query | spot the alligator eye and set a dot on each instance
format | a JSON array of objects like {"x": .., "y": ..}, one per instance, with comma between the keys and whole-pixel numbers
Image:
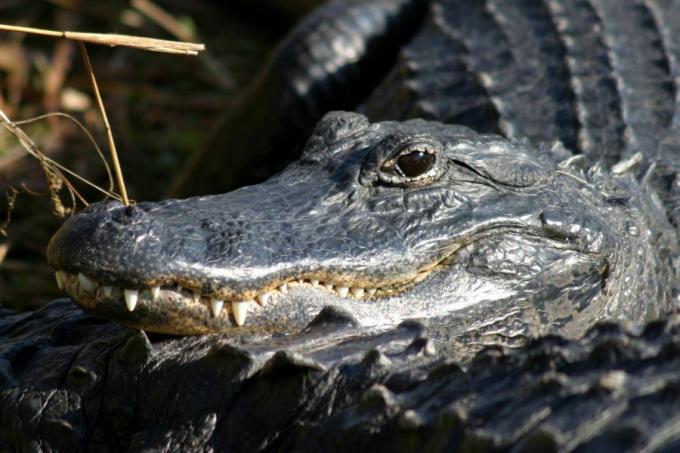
[{"x": 415, "y": 163}]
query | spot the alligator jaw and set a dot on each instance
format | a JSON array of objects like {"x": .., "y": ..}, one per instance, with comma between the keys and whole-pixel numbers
[
  {"x": 91, "y": 294},
  {"x": 176, "y": 309}
]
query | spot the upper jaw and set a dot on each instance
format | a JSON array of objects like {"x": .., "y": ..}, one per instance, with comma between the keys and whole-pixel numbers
[
  {"x": 236, "y": 245},
  {"x": 176, "y": 310}
]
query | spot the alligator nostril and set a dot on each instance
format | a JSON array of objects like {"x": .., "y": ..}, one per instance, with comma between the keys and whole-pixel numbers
[{"x": 129, "y": 214}]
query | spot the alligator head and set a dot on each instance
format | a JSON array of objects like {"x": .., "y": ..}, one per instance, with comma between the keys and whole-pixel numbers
[{"x": 387, "y": 221}]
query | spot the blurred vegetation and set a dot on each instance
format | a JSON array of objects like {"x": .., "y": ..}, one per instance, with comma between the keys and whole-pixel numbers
[{"x": 161, "y": 107}]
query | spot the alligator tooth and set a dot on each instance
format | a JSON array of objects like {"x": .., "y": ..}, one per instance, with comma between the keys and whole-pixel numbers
[
  {"x": 240, "y": 311},
  {"x": 314, "y": 282},
  {"x": 283, "y": 288},
  {"x": 106, "y": 291},
  {"x": 301, "y": 280},
  {"x": 131, "y": 296},
  {"x": 372, "y": 291},
  {"x": 179, "y": 288},
  {"x": 263, "y": 299},
  {"x": 342, "y": 291},
  {"x": 196, "y": 296},
  {"x": 216, "y": 306},
  {"x": 85, "y": 283},
  {"x": 61, "y": 279},
  {"x": 328, "y": 285},
  {"x": 155, "y": 292},
  {"x": 358, "y": 292}
]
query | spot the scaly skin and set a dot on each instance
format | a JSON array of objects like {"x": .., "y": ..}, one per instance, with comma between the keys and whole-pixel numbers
[
  {"x": 70, "y": 382},
  {"x": 598, "y": 75},
  {"x": 493, "y": 236},
  {"x": 567, "y": 248}
]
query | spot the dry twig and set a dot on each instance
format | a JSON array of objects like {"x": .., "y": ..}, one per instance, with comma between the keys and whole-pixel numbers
[
  {"x": 157, "y": 45},
  {"x": 87, "y": 133},
  {"x": 109, "y": 39},
  {"x": 54, "y": 171},
  {"x": 107, "y": 126}
]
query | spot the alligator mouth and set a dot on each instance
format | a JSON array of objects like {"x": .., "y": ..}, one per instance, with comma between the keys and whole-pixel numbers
[
  {"x": 179, "y": 307},
  {"x": 192, "y": 312}
]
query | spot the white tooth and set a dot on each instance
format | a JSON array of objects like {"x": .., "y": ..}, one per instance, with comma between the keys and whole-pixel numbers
[
  {"x": 301, "y": 280},
  {"x": 179, "y": 288},
  {"x": 327, "y": 286},
  {"x": 131, "y": 296},
  {"x": 342, "y": 291},
  {"x": 106, "y": 290},
  {"x": 240, "y": 311},
  {"x": 155, "y": 292},
  {"x": 372, "y": 291},
  {"x": 358, "y": 292},
  {"x": 314, "y": 282},
  {"x": 216, "y": 306},
  {"x": 263, "y": 299},
  {"x": 196, "y": 296},
  {"x": 61, "y": 279},
  {"x": 85, "y": 283},
  {"x": 283, "y": 288}
]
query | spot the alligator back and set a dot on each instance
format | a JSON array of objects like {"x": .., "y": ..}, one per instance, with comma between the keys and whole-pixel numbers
[{"x": 601, "y": 76}]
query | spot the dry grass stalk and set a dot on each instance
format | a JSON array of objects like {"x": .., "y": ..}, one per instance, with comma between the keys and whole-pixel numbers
[
  {"x": 54, "y": 171},
  {"x": 158, "y": 45},
  {"x": 107, "y": 126},
  {"x": 55, "y": 179},
  {"x": 108, "y": 192},
  {"x": 109, "y": 39}
]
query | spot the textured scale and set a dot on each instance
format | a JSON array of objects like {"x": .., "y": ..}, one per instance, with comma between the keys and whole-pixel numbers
[
  {"x": 598, "y": 76},
  {"x": 601, "y": 125},
  {"x": 546, "y": 70},
  {"x": 614, "y": 390},
  {"x": 538, "y": 69},
  {"x": 345, "y": 214}
]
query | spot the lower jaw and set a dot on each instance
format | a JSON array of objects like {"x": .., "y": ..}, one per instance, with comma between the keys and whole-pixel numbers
[
  {"x": 170, "y": 313},
  {"x": 178, "y": 311}
]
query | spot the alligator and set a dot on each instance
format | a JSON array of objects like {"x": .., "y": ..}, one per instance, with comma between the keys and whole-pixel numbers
[
  {"x": 536, "y": 198},
  {"x": 387, "y": 221}
]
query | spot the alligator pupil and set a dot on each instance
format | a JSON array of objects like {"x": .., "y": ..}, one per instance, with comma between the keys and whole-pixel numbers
[{"x": 415, "y": 163}]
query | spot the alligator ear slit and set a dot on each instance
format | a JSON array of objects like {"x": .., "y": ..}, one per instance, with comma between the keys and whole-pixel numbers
[{"x": 462, "y": 164}]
